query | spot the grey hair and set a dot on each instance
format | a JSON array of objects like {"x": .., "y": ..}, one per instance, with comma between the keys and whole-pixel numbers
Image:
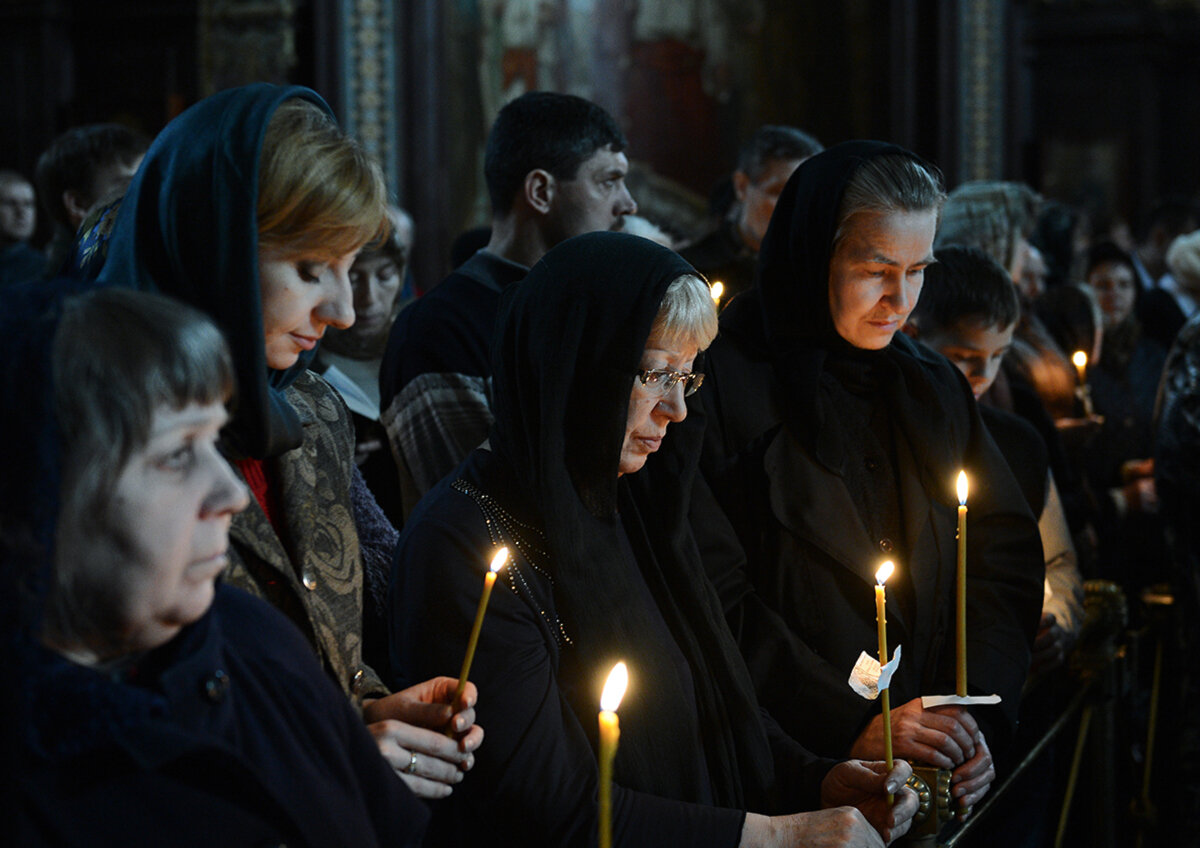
[
  {"x": 995, "y": 216},
  {"x": 774, "y": 141},
  {"x": 1183, "y": 259},
  {"x": 687, "y": 314},
  {"x": 890, "y": 183}
]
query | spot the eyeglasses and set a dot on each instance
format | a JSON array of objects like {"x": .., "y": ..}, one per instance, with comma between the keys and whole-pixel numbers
[{"x": 662, "y": 382}]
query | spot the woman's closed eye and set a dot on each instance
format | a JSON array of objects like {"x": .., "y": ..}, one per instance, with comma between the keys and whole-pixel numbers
[{"x": 310, "y": 272}]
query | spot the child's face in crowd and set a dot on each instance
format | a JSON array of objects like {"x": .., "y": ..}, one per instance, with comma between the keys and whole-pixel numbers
[
  {"x": 976, "y": 350},
  {"x": 1116, "y": 289}
]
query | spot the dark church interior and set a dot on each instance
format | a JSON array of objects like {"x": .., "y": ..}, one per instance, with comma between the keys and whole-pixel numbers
[{"x": 1083, "y": 113}]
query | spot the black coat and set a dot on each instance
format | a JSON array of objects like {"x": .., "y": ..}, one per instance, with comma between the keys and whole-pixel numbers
[
  {"x": 613, "y": 556},
  {"x": 804, "y": 608},
  {"x": 535, "y": 778},
  {"x": 234, "y": 736},
  {"x": 829, "y": 459}
]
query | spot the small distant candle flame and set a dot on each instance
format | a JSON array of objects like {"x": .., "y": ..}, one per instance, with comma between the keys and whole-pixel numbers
[
  {"x": 962, "y": 488},
  {"x": 1080, "y": 359},
  {"x": 716, "y": 290},
  {"x": 884, "y": 572},
  {"x": 614, "y": 688},
  {"x": 499, "y": 559}
]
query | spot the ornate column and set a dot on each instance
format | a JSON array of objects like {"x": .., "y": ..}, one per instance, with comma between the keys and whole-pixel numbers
[
  {"x": 370, "y": 103},
  {"x": 981, "y": 89},
  {"x": 244, "y": 41}
]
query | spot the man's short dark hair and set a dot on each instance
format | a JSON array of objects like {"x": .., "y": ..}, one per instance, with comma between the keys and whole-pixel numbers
[
  {"x": 774, "y": 141},
  {"x": 1106, "y": 251},
  {"x": 546, "y": 130},
  {"x": 71, "y": 161},
  {"x": 965, "y": 285}
]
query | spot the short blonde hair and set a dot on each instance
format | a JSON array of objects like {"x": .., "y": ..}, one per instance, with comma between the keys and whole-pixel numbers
[
  {"x": 1183, "y": 260},
  {"x": 687, "y": 314},
  {"x": 318, "y": 190}
]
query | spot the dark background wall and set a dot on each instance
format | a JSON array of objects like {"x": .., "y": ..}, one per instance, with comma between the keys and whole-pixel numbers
[{"x": 1090, "y": 102}]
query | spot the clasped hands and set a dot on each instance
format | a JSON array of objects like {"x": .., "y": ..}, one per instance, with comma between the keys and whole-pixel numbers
[
  {"x": 410, "y": 728},
  {"x": 947, "y": 737}
]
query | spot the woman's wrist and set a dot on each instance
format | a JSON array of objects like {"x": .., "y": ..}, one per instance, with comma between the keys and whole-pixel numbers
[{"x": 758, "y": 831}]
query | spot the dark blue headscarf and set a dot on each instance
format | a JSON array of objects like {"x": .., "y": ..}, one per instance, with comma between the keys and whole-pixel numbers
[{"x": 188, "y": 227}]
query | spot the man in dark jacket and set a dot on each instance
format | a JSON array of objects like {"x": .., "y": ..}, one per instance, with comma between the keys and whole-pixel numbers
[
  {"x": 555, "y": 168},
  {"x": 729, "y": 253}
]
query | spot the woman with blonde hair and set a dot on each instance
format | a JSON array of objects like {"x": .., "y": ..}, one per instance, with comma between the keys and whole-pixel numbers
[
  {"x": 586, "y": 479},
  {"x": 251, "y": 207}
]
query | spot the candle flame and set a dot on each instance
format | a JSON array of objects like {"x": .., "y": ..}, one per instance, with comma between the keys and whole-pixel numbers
[
  {"x": 1080, "y": 359},
  {"x": 962, "y": 488},
  {"x": 884, "y": 572},
  {"x": 716, "y": 290},
  {"x": 499, "y": 559},
  {"x": 614, "y": 688}
]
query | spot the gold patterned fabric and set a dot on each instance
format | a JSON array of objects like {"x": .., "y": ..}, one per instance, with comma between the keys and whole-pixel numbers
[{"x": 315, "y": 574}]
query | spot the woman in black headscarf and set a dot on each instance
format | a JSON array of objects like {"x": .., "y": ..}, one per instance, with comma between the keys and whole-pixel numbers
[
  {"x": 251, "y": 207},
  {"x": 1118, "y": 463},
  {"x": 592, "y": 360},
  {"x": 153, "y": 703},
  {"x": 833, "y": 443}
]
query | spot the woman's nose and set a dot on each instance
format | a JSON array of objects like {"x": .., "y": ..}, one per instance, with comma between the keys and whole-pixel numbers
[
  {"x": 337, "y": 309},
  {"x": 673, "y": 405},
  {"x": 228, "y": 493}
]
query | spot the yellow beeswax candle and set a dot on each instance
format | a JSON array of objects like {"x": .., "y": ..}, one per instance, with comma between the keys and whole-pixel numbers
[
  {"x": 610, "y": 733},
  {"x": 885, "y": 704},
  {"x": 960, "y": 595},
  {"x": 489, "y": 580},
  {"x": 1081, "y": 362}
]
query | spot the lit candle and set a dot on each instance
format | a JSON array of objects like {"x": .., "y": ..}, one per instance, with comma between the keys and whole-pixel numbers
[
  {"x": 881, "y": 576},
  {"x": 960, "y": 671},
  {"x": 1080, "y": 359},
  {"x": 498, "y": 561},
  {"x": 716, "y": 290},
  {"x": 610, "y": 732}
]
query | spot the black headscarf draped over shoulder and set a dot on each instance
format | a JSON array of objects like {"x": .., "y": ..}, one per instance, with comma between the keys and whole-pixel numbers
[
  {"x": 569, "y": 340},
  {"x": 188, "y": 227},
  {"x": 786, "y": 318}
]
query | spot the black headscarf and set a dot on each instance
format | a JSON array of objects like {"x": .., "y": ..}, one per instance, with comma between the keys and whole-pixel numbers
[
  {"x": 188, "y": 227},
  {"x": 569, "y": 340},
  {"x": 786, "y": 318}
]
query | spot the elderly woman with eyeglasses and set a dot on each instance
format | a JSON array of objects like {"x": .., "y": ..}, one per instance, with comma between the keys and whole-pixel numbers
[{"x": 595, "y": 352}]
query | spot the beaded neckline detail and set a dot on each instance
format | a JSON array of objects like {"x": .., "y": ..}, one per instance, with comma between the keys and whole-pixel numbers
[{"x": 527, "y": 546}]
